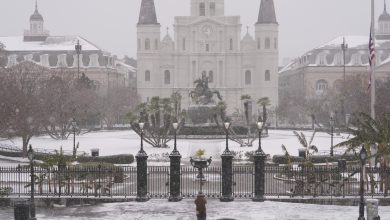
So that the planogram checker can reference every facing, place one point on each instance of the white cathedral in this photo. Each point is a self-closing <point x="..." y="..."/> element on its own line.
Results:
<point x="208" y="42"/>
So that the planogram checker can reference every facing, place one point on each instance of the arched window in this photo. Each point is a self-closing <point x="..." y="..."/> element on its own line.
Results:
<point x="258" y="43"/>
<point x="231" y="44"/>
<point x="267" y="75"/>
<point x="184" y="43"/>
<point x="147" y="76"/>
<point x="147" y="44"/>
<point x="139" y="44"/>
<point x="267" y="43"/>
<point x="156" y="44"/>
<point x="321" y="87"/>
<point x="248" y="77"/>
<point x="202" y="9"/>
<point x="207" y="47"/>
<point x="275" y="43"/>
<point x="212" y="8"/>
<point x="167" y="77"/>
<point x="211" y="76"/>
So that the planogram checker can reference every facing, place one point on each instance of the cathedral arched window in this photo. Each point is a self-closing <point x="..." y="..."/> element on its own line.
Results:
<point x="211" y="76"/>
<point x="212" y="8"/>
<point x="147" y="44"/>
<point x="267" y="43"/>
<point x="184" y="43"/>
<point x="167" y="77"/>
<point x="231" y="44"/>
<point x="156" y="44"/>
<point x="207" y="47"/>
<point x="202" y="9"/>
<point x="321" y="86"/>
<point x="258" y="43"/>
<point x="147" y="76"/>
<point x="267" y="76"/>
<point x="139" y="44"/>
<point x="275" y="43"/>
<point x="248" y="77"/>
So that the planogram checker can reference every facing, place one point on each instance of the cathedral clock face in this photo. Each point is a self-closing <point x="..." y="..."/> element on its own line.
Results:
<point x="207" y="30"/>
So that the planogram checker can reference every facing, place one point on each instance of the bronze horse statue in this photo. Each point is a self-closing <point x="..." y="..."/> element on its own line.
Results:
<point x="202" y="94"/>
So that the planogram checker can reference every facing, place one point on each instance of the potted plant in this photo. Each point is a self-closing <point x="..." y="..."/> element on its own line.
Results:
<point x="200" y="162"/>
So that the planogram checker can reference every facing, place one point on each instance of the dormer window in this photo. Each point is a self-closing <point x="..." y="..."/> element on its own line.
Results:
<point x="321" y="59"/>
<point x="338" y="59"/>
<point x="356" y="59"/>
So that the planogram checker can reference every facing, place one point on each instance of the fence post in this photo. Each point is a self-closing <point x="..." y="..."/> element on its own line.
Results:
<point x="142" y="176"/>
<point x="259" y="157"/>
<point x="174" y="178"/>
<point x="227" y="176"/>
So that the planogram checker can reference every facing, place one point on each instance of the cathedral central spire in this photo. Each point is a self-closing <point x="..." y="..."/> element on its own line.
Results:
<point x="147" y="13"/>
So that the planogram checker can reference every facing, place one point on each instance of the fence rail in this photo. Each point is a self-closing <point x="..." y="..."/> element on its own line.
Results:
<point x="121" y="182"/>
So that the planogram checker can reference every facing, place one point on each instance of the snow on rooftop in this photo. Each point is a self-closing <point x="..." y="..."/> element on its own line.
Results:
<point x="52" y="43"/>
<point x="352" y="41"/>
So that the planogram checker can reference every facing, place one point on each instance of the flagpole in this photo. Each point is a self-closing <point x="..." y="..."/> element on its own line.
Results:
<point x="373" y="84"/>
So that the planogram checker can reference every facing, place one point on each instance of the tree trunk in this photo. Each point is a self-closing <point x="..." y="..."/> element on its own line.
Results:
<point x="25" y="140"/>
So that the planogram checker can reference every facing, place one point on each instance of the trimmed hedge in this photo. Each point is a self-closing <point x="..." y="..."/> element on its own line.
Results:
<point x="282" y="159"/>
<point x="115" y="159"/>
<point x="210" y="130"/>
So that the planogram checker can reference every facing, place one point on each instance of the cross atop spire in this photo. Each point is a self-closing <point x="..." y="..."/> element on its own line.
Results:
<point x="36" y="5"/>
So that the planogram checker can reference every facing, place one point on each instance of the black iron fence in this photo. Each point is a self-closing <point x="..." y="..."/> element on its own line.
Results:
<point x="103" y="181"/>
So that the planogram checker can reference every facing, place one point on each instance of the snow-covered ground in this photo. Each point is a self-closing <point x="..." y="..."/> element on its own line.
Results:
<point x="128" y="142"/>
<point x="185" y="210"/>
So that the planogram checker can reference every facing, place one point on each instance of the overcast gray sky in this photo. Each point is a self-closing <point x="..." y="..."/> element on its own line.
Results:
<point x="111" y="24"/>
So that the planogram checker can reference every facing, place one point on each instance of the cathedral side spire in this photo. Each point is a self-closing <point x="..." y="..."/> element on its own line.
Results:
<point x="267" y="12"/>
<point x="147" y="13"/>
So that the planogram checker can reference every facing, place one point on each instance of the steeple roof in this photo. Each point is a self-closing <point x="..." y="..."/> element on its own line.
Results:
<point x="147" y="13"/>
<point x="36" y="16"/>
<point x="384" y="16"/>
<point x="267" y="12"/>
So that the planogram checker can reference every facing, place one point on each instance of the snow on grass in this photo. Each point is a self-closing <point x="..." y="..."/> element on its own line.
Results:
<point x="128" y="142"/>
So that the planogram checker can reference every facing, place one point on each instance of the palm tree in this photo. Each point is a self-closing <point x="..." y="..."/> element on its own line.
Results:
<point x="370" y="132"/>
<point x="264" y="102"/>
<point x="307" y="145"/>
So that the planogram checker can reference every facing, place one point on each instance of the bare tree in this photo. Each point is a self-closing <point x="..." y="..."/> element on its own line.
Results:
<point x="26" y="116"/>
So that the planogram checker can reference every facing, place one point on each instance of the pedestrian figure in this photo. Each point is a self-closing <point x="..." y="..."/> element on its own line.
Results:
<point x="200" y="203"/>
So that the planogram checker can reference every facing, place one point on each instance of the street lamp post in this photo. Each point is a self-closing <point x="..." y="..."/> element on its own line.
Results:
<point x="363" y="157"/>
<point x="259" y="157"/>
<point x="175" y="125"/>
<point x="142" y="170"/>
<point x="74" y="126"/>
<point x="175" y="159"/>
<point x="260" y="129"/>
<point x="78" y="49"/>
<point x="227" y="126"/>
<point x="227" y="170"/>
<point x="344" y="47"/>
<point x="331" y="121"/>
<point x="30" y="155"/>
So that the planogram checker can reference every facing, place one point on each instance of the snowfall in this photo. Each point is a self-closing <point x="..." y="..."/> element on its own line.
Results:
<point x="128" y="142"/>
<point x="185" y="210"/>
